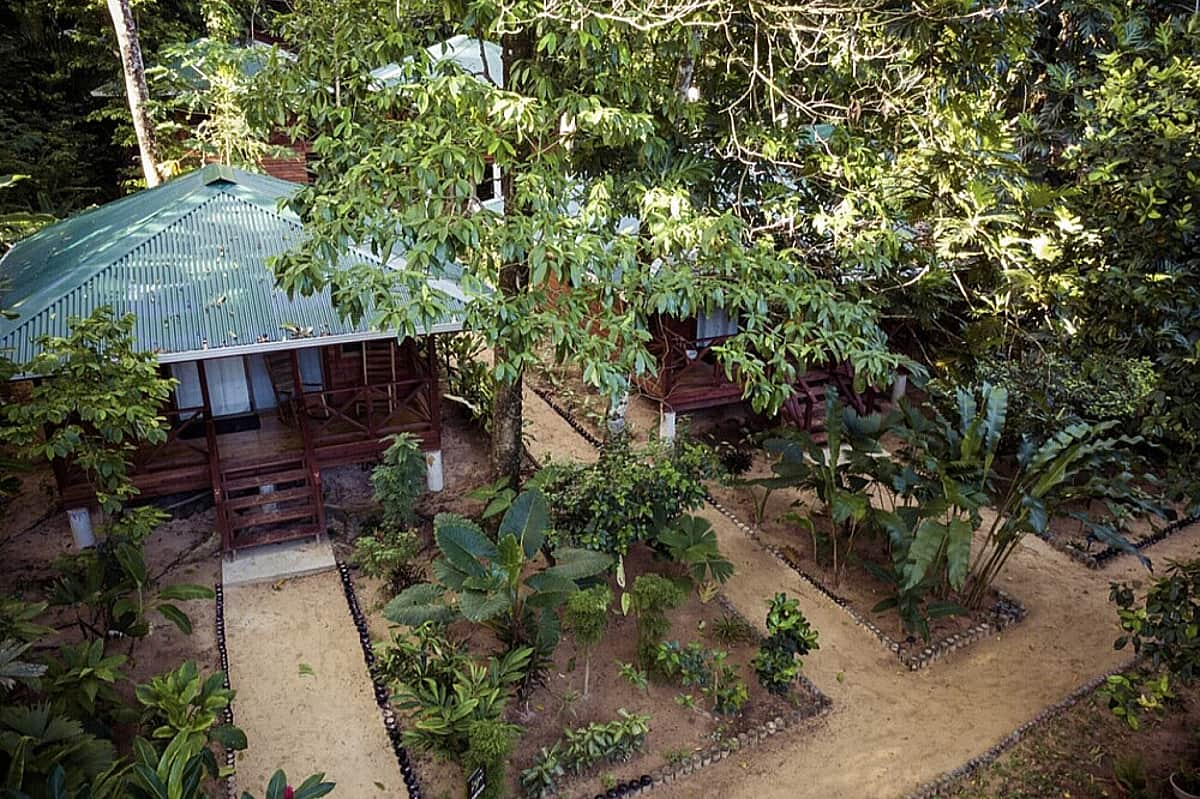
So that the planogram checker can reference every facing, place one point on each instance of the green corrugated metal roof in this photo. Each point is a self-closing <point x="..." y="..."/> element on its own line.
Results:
<point x="188" y="258"/>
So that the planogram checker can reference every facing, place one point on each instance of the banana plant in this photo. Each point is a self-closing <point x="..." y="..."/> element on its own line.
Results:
<point x="840" y="471"/>
<point x="484" y="581"/>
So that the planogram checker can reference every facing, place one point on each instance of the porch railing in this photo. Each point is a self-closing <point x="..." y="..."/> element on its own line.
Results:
<point x="369" y="413"/>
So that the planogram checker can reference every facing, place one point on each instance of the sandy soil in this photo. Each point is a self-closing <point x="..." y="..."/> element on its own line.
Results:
<point x="304" y="697"/>
<point x="891" y="730"/>
<point x="34" y="532"/>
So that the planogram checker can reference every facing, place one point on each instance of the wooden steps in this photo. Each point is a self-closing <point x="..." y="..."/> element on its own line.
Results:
<point x="270" y="501"/>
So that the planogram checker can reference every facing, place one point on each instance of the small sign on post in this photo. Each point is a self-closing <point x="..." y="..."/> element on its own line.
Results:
<point x="476" y="784"/>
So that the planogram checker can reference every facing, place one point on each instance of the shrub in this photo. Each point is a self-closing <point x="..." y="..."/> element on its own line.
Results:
<point x="581" y="748"/>
<point x="399" y="480"/>
<point x="1165" y="630"/>
<point x="387" y="555"/>
<point x="625" y="496"/>
<point x="652" y="596"/>
<point x="586" y="616"/>
<point x="489" y="742"/>
<point x="731" y="629"/>
<point x="789" y="636"/>
<point x="468" y="378"/>
<point x="705" y="669"/>
<point x="691" y="542"/>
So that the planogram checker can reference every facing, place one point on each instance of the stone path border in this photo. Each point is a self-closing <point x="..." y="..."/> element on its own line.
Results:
<point x="950" y="780"/>
<point x="382" y="693"/>
<point x="1006" y="612"/>
<point x="1098" y="559"/>
<point x="227" y="714"/>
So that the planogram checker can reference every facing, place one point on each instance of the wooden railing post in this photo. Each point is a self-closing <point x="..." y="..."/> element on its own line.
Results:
<point x="310" y="453"/>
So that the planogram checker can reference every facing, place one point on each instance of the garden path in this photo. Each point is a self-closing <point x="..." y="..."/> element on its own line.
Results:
<point x="303" y="694"/>
<point x="891" y="730"/>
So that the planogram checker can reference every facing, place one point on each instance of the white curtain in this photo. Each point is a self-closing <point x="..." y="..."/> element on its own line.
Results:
<point x="714" y="325"/>
<point x="227" y="387"/>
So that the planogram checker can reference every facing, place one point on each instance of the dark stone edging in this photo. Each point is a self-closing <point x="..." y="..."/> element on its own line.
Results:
<point x="1007" y="611"/>
<point x="227" y="713"/>
<point x="950" y="780"/>
<point x="382" y="693"/>
<point x="1099" y="559"/>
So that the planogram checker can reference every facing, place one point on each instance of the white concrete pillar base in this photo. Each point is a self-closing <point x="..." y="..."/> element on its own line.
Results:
<point x="666" y="425"/>
<point x="81" y="527"/>
<point x="434" y="478"/>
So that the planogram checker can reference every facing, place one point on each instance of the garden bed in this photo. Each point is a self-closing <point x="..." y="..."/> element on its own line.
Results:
<point x="682" y="737"/>
<point x="1067" y="536"/>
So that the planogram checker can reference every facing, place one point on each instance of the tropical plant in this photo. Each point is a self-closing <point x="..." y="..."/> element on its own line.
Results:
<point x="692" y="542"/>
<point x="489" y="742"/>
<point x="81" y="682"/>
<point x="586" y="616"/>
<point x="1165" y="630"/>
<point x="840" y="471"/>
<point x="626" y="495"/>
<point x="731" y="629"/>
<point x="109" y="587"/>
<point x="399" y="480"/>
<point x="13" y="669"/>
<point x="450" y="696"/>
<point x="540" y="779"/>
<point x="487" y="580"/>
<point x="99" y="402"/>
<point x="582" y="748"/>
<point x="789" y="636"/>
<point x="633" y="675"/>
<point x="313" y="787"/>
<point x="388" y="554"/>
<point x="497" y="497"/>
<point x="18" y="620"/>
<point x="36" y="744"/>
<point x="706" y="669"/>
<point x="184" y="701"/>
<point x="469" y="380"/>
<point x="651" y="597"/>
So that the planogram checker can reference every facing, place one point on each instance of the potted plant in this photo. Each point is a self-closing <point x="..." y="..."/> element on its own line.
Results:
<point x="1185" y="783"/>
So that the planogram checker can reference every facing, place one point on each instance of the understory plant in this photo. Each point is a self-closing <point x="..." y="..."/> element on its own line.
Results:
<point x="691" y="542"/>
<point x="706" y="669"/>
<point x="490" y="582"/>
<point x="613" y="742"/>
<point x="399" y="480"/>
<point x="789" y="637"/>
<point x="627" y="495"/>
<point x="388" y="554"/>
<point x="449" y="692"/>
<point x="650" y="598"/>
<point x="840" y="471"/>
<point x="1165" y="631"/>
<point x="586" y="616"/>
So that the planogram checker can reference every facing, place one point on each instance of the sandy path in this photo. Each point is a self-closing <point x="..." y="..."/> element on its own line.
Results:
<point x="325" y="720"/>
<point x="891" y="730"/>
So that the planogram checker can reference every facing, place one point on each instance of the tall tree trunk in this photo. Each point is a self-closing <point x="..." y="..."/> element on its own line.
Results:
<point x="507" y="416"/>
<point x="135" y="86"/>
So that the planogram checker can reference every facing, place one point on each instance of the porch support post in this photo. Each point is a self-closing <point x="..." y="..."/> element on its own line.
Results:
<point x="666" y="424"/>
<point x="214" y="461"/>
<point x="434" y="476"/>
<point x="310" y="453"/>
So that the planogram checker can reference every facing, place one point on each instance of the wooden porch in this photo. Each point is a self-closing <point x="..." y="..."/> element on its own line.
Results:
<point x="263" y="467"/>
<point x="690" y="378"/>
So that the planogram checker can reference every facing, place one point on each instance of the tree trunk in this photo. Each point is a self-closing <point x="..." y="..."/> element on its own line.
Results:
<point x="507" y="417"/>
<point x="135" y="86"/>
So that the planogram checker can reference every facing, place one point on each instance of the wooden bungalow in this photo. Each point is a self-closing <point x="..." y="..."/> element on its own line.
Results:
<point x="690" y="377"/>
<point x="271" y="390"/>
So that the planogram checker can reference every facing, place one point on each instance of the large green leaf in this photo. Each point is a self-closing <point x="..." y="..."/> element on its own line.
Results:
<point x="418" y="604"/>
<point x="527" y="521"/>
<point x="462" y="543"/>
<point x="578" y="564"/>
<point x="550" y="589"/>
<point x="958" y="551"/>
<point x="478" y="606"/>
<point x="923" y="553"/>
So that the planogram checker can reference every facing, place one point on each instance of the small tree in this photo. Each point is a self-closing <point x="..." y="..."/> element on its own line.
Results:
<point x="652" y="596"/>
<point x="97" y="404"/>
<point x="586" y="616"/>
<point x="399" y="480"/>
